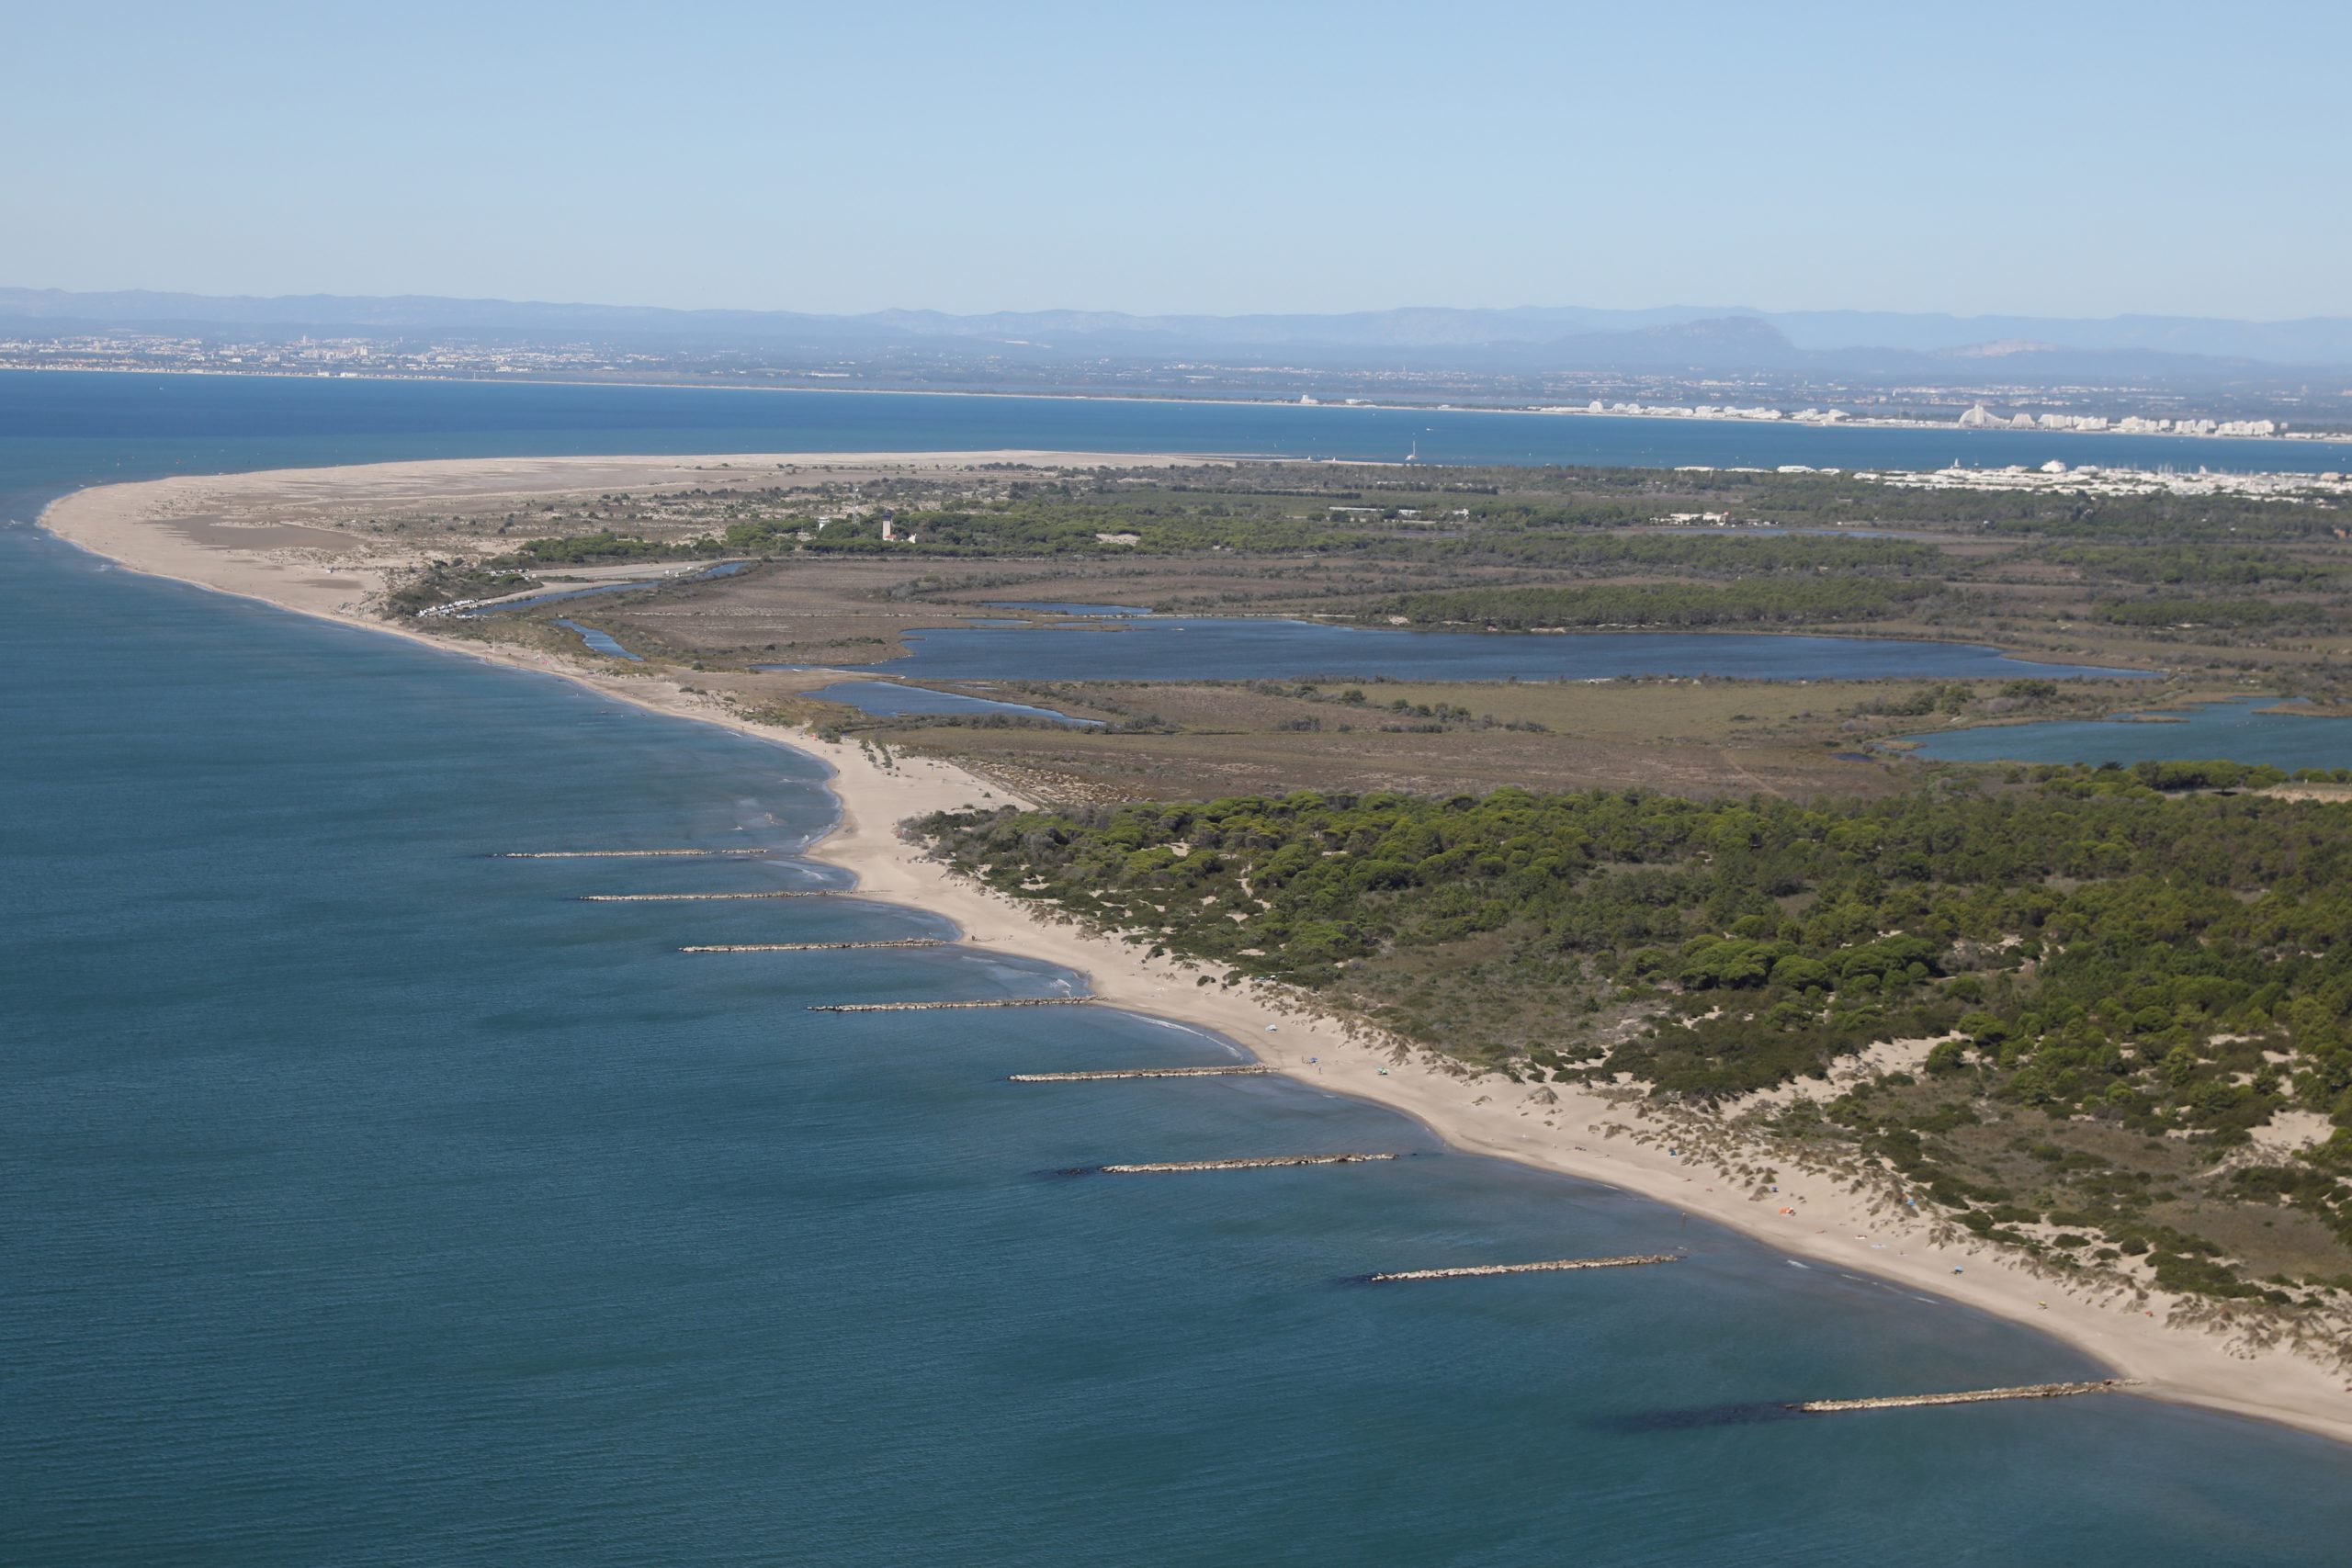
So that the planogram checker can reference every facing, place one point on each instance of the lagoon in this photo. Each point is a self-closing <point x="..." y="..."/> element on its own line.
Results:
<point x="2249" y="729"/>
<point x="599" y="641"/>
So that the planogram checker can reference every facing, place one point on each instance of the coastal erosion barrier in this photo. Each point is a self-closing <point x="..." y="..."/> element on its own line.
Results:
<point x="619" y="855"/>
<point x="1971" y="1396"/>
<point x="696" y="897"/>
<point x="811" y="946"/>
<point x="943" y="1007"/>
<point x="1140" y="1073"/>
<point x="1555" y="1265"/>
<point x="1262" y="1162"/>
<point x="1745" y="1414"/>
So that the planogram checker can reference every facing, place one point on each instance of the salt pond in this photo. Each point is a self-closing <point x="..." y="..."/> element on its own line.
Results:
<point x="2251" y="729"/>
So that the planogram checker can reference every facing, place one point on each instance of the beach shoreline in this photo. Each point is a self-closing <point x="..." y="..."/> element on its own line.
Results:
<point x="1571" y="1130"/>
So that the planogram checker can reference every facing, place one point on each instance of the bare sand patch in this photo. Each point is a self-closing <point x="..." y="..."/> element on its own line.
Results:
<point x="215" y="535"/>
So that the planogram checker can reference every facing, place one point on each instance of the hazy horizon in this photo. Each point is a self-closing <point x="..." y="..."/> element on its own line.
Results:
<point x="2092" y="161"/>
<point x="1638" y="308"/>
<point x="1515" y="340"/>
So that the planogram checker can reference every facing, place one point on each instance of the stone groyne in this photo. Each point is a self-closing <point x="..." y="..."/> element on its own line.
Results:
<point x="1556" y="1266"/>
<point x="1970" y="1396"/>
<point x="1140" y="1073"/>
<point x="811" y="946"/>
<point x="618" y="854"/>
<point x="696" y="897"/>
<point x="948" y="1007"/>
<point x="1262" y="1162"/>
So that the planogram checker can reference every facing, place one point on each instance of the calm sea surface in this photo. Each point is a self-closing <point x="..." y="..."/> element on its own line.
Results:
<point x="364" y="1199"/>
<point x="237" y="421"/>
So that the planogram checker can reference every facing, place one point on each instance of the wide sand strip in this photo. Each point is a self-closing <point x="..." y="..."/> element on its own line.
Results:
<point x="219" y="533"/>
<point x="270" y="535"/>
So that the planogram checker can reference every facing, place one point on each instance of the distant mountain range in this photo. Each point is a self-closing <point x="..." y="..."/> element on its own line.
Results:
<point x="1529" y="339"/>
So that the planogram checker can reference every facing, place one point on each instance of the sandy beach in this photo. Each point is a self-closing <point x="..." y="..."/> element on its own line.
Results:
<point x="258" y="536"/>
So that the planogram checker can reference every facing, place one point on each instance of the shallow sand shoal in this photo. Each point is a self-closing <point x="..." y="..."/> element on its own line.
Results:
<point x="1555" y="1127"/>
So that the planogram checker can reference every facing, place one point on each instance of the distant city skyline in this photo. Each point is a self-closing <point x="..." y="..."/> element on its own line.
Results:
<point x="2091" y="159"/>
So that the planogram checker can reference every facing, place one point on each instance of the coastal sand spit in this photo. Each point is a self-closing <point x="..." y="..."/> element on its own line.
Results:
<point x="208" y="531"/>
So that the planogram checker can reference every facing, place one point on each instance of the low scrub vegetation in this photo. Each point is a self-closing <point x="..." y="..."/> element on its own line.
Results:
<point x="2088" y="949"/>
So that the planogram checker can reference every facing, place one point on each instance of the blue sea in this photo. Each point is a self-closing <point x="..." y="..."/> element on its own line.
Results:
<point x="215" y="423"/>
<point x="365" y="1200"/>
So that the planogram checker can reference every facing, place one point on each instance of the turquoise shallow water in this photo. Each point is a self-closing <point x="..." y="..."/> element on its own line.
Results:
<point x="2240" y="731"/>
<point x="367" y="1201"/>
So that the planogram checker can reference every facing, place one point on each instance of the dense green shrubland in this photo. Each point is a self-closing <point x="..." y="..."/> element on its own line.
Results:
<point x="605" y="545"/>
<point x="2084" y="945"/>
<point x="2088" y="913"/>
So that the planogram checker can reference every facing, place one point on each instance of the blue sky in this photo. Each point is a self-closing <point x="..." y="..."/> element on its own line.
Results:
<point x="1967" y="156"/>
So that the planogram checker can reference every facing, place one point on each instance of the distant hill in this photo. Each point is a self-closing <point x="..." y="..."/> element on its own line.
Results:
<point x="1526" y="338"/>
